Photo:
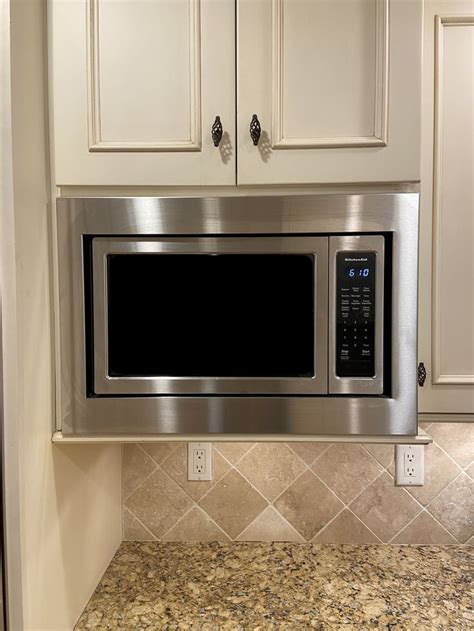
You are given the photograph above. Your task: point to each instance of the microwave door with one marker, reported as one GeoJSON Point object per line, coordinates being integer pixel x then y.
{"type": "Point", "coordinates": [215, 316]}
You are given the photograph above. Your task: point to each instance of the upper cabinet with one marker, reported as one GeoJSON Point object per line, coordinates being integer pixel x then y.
{"type": "Point", "coordinates": [446, 307]}
{"type": "Point", "coordinates": [335, 85]}
{"type": "Point", "coordinates": [137, 85]}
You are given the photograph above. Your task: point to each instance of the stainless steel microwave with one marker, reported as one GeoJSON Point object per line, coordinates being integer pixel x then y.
{"type": "Point", "coordinates": [238, 316]}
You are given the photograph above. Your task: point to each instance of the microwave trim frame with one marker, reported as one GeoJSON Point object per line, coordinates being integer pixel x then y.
{"type": "Point", "coordinates": [292, 415]}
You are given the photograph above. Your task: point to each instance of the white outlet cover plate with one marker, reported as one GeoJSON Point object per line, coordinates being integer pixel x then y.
{"type": "Point", "coordinates": [207, 471]}
{"type": "Point", "coordinates": [409, 465]}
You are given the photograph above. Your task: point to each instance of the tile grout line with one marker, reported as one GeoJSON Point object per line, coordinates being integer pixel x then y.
{"type": "Point", "coordinates": [315, 459]}
{"type": "Point", "coordinates": [447, 454]}
{"type": "Point", "coordinates": [269, 502]}
{"type": "Point", "coordinates": [391, 541]}
{"type": "Point", "coordinates": [364, 445]}
{"type": "Point", "coordinates": [234, 467]}
{"type": "Point", "coordinates": [308, 467]}
{"type": "Point", "coordinates": [345, 505]}
{"type": "Point", "coordinates": [199, 508]}
{"type": "Point", "coordinates": [364, 524]}
{"type": "Point", "coordinates": [141, 524]}
{"type": "Point", "coordinates": [215, 482]}
{"type": "Point", "coordinates": [194, 503]}
{"type": "Point", "coordinates": [272, 502]}
{"type": "Point", "coordinates": [282, 517]}
{"type": "Point", "coordinates": [427, 507]}
{"type": "Point", "coordinates": [168, 456]}
{"type": "Point", "coordinates": [157, 466]}
{"type": "Point", "coordinates": [458, 474]}
{"type": "Point", "coordinates": [385, 470]}
{"type": "Point", "coordinates": [180, 518]}
{"type": "Point", "coordinates": [239, 459]}
{"type": "Point", "coordinates": [420, 510]}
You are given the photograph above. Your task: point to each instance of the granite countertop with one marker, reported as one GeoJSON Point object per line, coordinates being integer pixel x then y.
{"type": "Point", "coordinates": [273, 586]}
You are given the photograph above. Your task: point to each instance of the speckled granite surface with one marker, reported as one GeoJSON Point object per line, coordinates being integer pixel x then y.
{"type": "Point", "coordinates": [274, 586]}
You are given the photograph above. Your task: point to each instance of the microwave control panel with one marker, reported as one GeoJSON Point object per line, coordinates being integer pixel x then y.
{"type": "Point", "coordinates": [355, 313]}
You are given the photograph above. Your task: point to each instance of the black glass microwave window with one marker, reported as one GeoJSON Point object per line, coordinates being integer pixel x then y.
{"type": "Point", "coordinates": [210, 315]}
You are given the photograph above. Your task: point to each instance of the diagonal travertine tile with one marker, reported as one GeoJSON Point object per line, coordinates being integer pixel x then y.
{"type": "Point", "coordinates": [233, 503]}
{"type": "Point", "coordinates": [424, 530]}
{"type": "Point", "coordinates": [133, 530]}
{"type": "Point", "coordinates": [452, 505]}
{"type": "Point", "coordinates": [158, 503]}
{"type": "Point", "coordinates": [233, 452]}
{"type": "Point", "coordinates": [308, 505]}
{"type": "Point", "coordinates": [136, 467]}
{"type": "Point", "coordinates": [347, 469]}
{"type": "Point", "coordinates": [457, 439]}
{"type": "Point", "coordinates": [177, 467]}
{"type": "Point", "coordinates": [385, 508]}
{"type": "Point", "coordinates": [270, 526]}
{"type": "Point", "coordinates": [308, 452]}
{"type": "Point", "coordinates": [439, 472]}
{"type": "Point", "coordinates": [346, 528]}
{"type": "Point", "coordinates": [454, 508]}
{"type": "Point", "coordinates": [195, 526]}
{"type": "Point", "coordinates": [159, 451]}
{"type": "Point", "coordinates": [271, 468]}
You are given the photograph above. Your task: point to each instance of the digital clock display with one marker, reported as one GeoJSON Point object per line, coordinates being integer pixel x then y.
{"type": "Point", "coordinates": [358, 272]}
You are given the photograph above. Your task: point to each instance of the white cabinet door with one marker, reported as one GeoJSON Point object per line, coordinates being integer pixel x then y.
{"type": "Point", "coordinates": [136, 88]}
{"type": "Point", "coordinates": [336, 86]}
{"type": "Point", "coordinates": [446, 317]}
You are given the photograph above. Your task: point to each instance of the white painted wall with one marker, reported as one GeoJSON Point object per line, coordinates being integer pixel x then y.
{"type": "Point", "coordinates": [70, 521]}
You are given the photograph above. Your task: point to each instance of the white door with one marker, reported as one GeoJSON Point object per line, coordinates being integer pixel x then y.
{"type": "Point", "coordinates": [446, 316]}
{"type": "Point", "coordinates": [335, 85]}
{"type": "Point", "coordinates": [137, 86]}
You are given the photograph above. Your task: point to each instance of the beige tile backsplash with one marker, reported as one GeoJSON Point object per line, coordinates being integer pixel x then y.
{"type": "Point", "coordinates": [326, 493]}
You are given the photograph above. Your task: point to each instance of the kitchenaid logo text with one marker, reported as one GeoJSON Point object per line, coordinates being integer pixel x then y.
{"type": "Point", "coordinates": [359, 260]}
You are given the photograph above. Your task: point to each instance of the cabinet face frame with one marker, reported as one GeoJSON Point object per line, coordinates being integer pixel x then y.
{"type": "Point", "coordinates": [443, 392]}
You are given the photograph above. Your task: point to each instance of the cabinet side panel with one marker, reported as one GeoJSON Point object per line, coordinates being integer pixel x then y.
{"type": "Point", "coordinates": [446, 303]}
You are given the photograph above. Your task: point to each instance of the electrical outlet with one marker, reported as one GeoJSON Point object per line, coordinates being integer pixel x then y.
{"type": "Point", "coordinates": [199, 461]}
{"type": "Point", "coordinates": [409, 465]}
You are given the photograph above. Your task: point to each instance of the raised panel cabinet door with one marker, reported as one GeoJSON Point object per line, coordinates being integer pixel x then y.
{"type": "Point", "coordinates": [446, 307]}
{"type": "Point", "coordinates": [336, 88]}
{"type": "Point", "coordinates": [136, 89]}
